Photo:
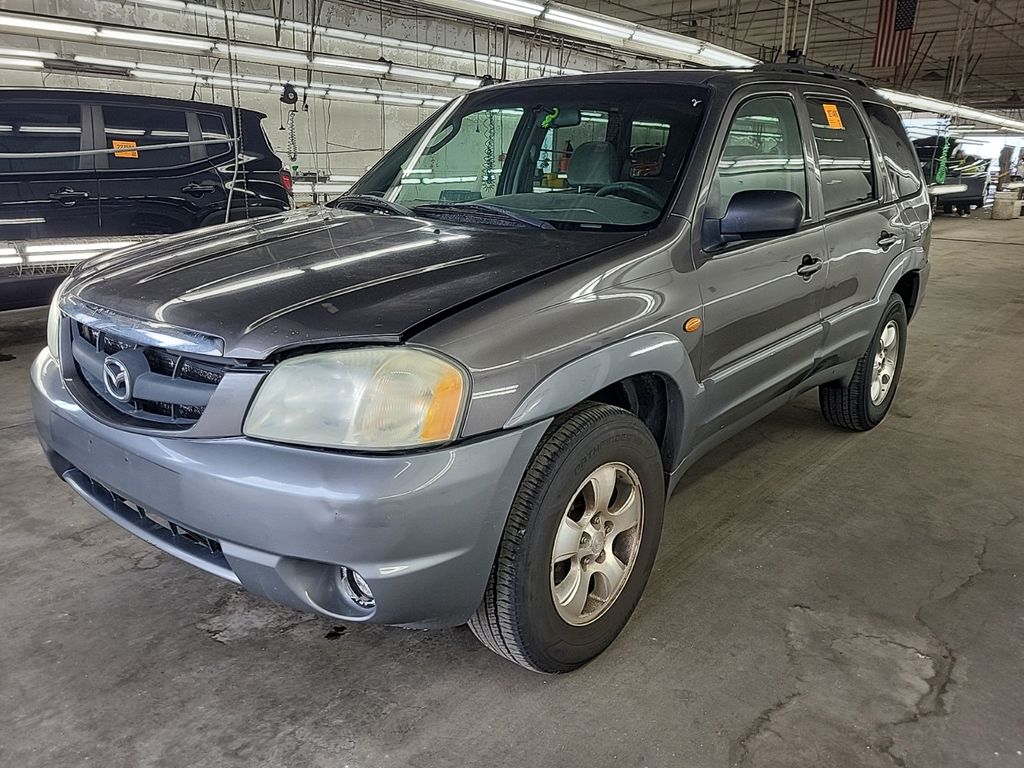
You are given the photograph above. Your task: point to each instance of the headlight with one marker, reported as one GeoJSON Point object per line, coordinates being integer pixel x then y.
{"type": "Point", "coordinates": [53, 322]}
{"type": "Point", "coordinates": [375, 398]}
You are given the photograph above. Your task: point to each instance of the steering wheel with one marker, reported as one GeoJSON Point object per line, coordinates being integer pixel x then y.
{"type": "Point", "coordinates": [630, 189]}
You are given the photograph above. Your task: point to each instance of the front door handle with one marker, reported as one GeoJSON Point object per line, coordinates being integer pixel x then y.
{"type": "Point", "coordinates": [197, 189]}
{"type": "Point", "coordinates": [887, 240]}
{"type": "Point", "coordinates": [68, 196]}
{"type": "Point", "coordinates": [809, 266]}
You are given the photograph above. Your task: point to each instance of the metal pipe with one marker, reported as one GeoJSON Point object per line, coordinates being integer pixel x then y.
{"type": "Point", "coordinates": [807, 29]}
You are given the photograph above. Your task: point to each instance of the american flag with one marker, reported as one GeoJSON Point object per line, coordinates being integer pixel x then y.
{"type": "Point", "coordinates": [895, 26]}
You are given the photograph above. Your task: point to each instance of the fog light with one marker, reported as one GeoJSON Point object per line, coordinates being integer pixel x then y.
{"type": "Point", "coordinates": [356, 588]}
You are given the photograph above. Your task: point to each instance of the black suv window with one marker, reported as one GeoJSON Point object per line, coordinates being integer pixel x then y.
{"type": "Point", "coordinates": [844, 154]}
{"type": "Point", "coordinates": [212, 127]}
{"type": "Point", "coordinates": [900, 158]}
{"type": "Point", "coordinates": [128, 128]}
{"type": "Point", "coordinates": [762, 150]}
{"type": "Point", "coordinates": [27, 128]}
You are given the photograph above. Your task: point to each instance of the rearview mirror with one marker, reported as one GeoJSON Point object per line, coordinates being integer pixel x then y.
{"type": "Point", "coordinates": [759, 213]}
{"type": "Point", "coordinates": [557, 117]}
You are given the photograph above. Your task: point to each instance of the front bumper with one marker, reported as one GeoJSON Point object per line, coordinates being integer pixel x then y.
{"type": "Point", "coordinates": [422, 529]}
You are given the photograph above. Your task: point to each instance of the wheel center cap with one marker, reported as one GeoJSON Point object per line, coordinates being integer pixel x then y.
{"type": "Point", "coordinates": [597, 538]}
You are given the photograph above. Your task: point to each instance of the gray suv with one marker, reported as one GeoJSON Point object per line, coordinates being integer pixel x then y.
{"type": "Point", "coordinates": [463, 392]}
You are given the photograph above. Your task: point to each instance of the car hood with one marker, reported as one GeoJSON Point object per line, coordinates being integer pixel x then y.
{"type": "Point", "coordinates": [321, 275]}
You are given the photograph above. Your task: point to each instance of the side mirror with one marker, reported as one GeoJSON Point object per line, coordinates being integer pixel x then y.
{"type": "Point", "coordinates": [759, 213]}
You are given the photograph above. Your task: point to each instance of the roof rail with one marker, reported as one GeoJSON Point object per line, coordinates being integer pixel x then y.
{"type": "Point", "coordinates": [803, 69]}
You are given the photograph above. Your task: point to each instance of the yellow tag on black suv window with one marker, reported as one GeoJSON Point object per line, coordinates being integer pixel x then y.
{"type": "Point", "coordinates": [832, 115]}
{"type": "Point", "coordinates": [129, 146]}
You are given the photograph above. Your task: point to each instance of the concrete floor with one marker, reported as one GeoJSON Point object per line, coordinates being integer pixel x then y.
{"type": "Point", "coordinates": [820, 599]}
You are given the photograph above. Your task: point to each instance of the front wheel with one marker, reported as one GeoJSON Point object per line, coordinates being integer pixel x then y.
{"type": "Point", "coordinates": [579, 543]}
{"type": "Point", "coordinates": [862, 404]}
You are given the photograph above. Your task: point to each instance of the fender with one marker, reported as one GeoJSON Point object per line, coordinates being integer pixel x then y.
{"type": "Point", "coordinates": [655, 352]}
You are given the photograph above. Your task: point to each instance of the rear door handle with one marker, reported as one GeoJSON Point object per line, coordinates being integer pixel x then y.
{"type": "Point", "coordinates": [887, 240]}
{"type": "Point", "coordinates": [198, 189]}
{"type": "Point", "coordinates": [68, 196]}
{"type": "Point", "coordinates": [808, 267]}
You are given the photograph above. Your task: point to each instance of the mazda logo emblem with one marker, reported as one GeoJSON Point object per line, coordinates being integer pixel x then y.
{"type": "Point", "coordinates": [117, 380]}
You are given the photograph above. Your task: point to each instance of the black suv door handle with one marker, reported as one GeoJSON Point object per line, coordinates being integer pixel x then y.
{"type": "Point", "coordinates": [197, 189]}
{"type": "Point", "coordinates": [68, 196]}
{"type": "Point", "coordinates": [887, 240]}
{"type": "Point", "coordinates": [808, 267]}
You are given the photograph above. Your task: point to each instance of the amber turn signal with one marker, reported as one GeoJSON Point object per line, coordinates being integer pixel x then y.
{"type": "Point", "coordinates": [692, 324]}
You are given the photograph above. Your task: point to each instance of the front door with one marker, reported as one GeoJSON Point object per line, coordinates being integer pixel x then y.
{"type": "Point", "coordinates": [762, 298]}
{"type": "Point", "coordinates": [47, 186]}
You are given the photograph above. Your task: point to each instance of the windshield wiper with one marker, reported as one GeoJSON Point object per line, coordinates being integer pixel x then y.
{"type": "Point", "coordinates": [482, 209]}
{"type": "Point", "coordinates": [371, 202]}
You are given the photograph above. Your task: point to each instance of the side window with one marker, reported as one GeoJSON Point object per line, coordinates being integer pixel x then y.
{"type": "Point", "coordinates": [212, 127]}
{"type": "Point", "coordinates": [844, 154]}
{"type": "Point", "coordinates": [129, 128]}
{"type": "Point", "coordinates": [901, 161]}
{"type": "Point", "coordinates": [27, 128]}
{"type": "Point", "coordinates": [763, 151]}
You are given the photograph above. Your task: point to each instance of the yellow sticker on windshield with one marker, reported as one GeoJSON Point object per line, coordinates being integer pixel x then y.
{"type": "Point", "coordinates": [129, 146]}
{"type": "Point", "coordinates": [835, 122]}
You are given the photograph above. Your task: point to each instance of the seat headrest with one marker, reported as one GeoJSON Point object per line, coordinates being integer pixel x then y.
{"type": "Point", "coordinates": [593, 164]}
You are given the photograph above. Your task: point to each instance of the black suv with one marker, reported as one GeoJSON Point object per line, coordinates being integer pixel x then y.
{"type": "Point", "coordinates": [81, 172]}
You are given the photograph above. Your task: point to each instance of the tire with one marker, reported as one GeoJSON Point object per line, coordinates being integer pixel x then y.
{"type": "Point", "coordinates": [857, 406]}
{"type": "Point", "coordinates": [518, 617]}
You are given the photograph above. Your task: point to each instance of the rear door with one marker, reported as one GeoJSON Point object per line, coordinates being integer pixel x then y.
{"type": "Point", "coordinates": [866, 229]}
{"type": "Point", "coordinates": [41, 196]}
{"type": "Point", "coordinates": [761, 316]}
{"type": "Point", "coordinates": [157, 180]}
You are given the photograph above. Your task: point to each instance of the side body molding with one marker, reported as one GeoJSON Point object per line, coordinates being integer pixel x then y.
{"type": "Point", "coordinates": [656, 352]}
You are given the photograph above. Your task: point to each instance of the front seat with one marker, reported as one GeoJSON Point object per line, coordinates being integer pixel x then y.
{"type": "Point", "coordinates": [593, 164]}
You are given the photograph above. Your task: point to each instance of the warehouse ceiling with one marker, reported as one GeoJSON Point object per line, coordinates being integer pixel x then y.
{"type": "Point", "coordinates": [960, 49]}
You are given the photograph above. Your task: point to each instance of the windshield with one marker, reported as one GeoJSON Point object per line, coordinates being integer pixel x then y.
{"type": "Point", "coordinates": [594, 156]}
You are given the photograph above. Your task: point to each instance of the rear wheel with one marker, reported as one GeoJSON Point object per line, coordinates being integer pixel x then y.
{"type": "Point", "coordinates": [863, 404]}
{"type": "Point", "coordinates": [579, 543]}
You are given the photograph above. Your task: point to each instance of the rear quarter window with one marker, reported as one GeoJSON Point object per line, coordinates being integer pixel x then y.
{"type": "Point", "coordinates": [844, 154]}
{"type": "Point", "coordinates": [901, 163]}
{"type": "Point", "coordinates": [213, 128]}
{"type": "Point", "coordinates": [28, 128]}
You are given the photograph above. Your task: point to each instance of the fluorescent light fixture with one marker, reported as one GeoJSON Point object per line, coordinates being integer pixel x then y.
{"type": "Point", "coordinates": [589, 23]}
{"type": "Point", "coordinates": [164, 77]}
{"type": "Point", "coordinates": [165, 68]}
{"type": "Point", "coordinates": [350, 179]}
{"type": "Point", "coordinates": [668, 42]}
{"type": "Point", "coordinates": [464, 81]}
{"type": "Point", "coordinates": [9, 261]}
{"type": "Point", "coordinates": [257, 53]}
{"type": "Point", "coordinates": [510, 6]}
{"type": "Point", "coordinates": [27, 54]}
{"type": "Point", "coordinates": [62, 257]}
{"type": "Point", "coordinates": [176, 5]}
{"type": "Point", "coordinates": [354, 65]}
{"type": "Point", "coordinates": [400, 100]}
{"type": "Point", "coordinates": [724, 57]}
{"type": "Point", "coordinates": [413, 73]}
{"type": "Point", "coordinates": [351, 96]}
{"type": "Point", "coordinates": [118, 63]}
{"type": "Point", "coordinates": [7, 251]}
{"type": "Point", "coordinates": [26, 63]}
{"type": "Point", "coordinates": [344, 34]}
{"type": "Point", "coordinates": [183, 41]}
{"type": "Point", "coordinates": [242, 85]}
{"type": "Point", "coordinates": [104, 245]}
{"type": "Point", "coordinates": [36, 24]}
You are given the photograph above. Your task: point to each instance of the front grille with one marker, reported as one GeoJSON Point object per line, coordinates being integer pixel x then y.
{"type": "Point", "coordinates": [166, 388]}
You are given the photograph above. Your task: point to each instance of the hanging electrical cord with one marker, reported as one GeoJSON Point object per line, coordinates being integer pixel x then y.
{"type": "Point", "coordinates": [230, 33]}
